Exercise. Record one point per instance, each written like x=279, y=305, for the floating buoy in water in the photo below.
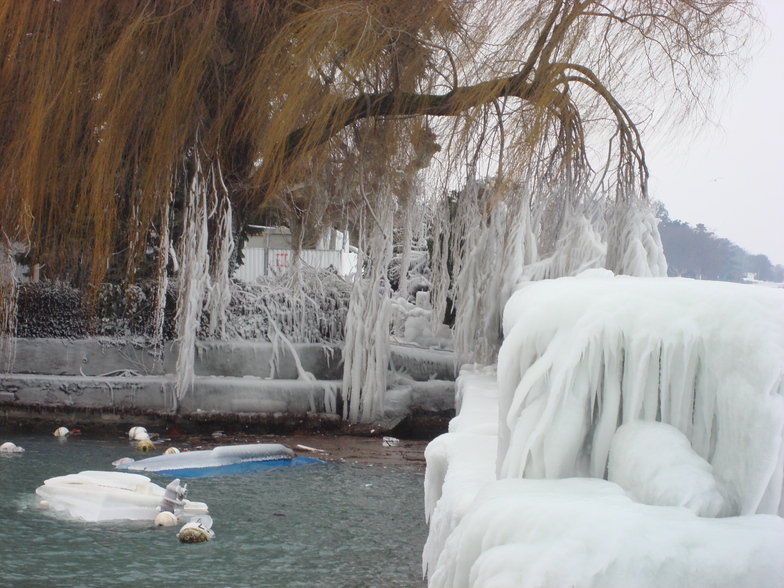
x=197, y=531
x=61, y=432
x=138, y=434
x=165, y=519
x=145, y=445
x=9, y=447
x=171, y=450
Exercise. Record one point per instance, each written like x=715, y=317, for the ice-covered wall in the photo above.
x=460, y=462
x=584, y=355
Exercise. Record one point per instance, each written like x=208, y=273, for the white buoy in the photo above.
x=9, y=447
x=145, y=445
x=171, y=450
x=195, y=532
x=165, y=519
x=61, y=432
x=138, y=434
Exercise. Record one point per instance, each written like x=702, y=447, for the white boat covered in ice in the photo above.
x=224, y=460
x=104, y=496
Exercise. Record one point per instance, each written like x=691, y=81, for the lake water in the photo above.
x=333, y=525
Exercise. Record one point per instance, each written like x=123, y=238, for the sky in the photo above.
x=731, y=177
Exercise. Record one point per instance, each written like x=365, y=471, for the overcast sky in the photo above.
x=731, y=179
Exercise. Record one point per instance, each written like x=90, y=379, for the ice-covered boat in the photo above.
x=221, y=461
x=104, y=496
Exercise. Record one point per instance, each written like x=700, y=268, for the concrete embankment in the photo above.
x=237, y=385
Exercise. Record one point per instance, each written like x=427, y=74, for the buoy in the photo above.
x=61, y=432
x=9, y=447
x=195, y=532
x=171, y=450
x=43, y=505
x=138, y=434
x=145, y=445
x=165, y=519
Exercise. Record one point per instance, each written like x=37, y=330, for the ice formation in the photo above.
x=490, y=241
x=193, y=275
x=673, y=388
x=586, y=533
x=366, y=351
x=655, y=464
x=584, y=355
x=460, y=462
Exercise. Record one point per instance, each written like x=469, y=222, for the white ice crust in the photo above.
x=626, y=416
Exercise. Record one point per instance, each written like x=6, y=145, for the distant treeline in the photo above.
x=695, y=252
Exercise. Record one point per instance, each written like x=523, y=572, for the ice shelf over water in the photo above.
x=671, y=389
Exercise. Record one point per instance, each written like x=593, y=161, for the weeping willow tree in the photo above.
x=132, y=126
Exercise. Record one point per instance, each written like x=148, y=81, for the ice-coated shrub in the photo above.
x=50, y=309
x=306, y=306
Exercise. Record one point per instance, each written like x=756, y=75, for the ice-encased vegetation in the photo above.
x=674, y=389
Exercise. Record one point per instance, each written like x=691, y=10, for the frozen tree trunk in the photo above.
x=9, y=289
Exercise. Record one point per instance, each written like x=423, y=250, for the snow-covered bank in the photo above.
x=582, y=357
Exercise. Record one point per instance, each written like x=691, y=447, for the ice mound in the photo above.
x=587, y=533
x=584, y=355
x=655, y=464
x=672, y=388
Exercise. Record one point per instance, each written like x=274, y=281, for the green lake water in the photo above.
x=328, y=525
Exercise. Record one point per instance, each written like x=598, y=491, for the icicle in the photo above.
x=219, y=290
x=635, y=247
x=366, y=350
x=161, y=278
x=193, y=276
x=578, y=248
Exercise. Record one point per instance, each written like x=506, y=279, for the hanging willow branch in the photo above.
x=104, y=99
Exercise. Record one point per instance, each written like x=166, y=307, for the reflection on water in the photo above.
x=340, y=525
